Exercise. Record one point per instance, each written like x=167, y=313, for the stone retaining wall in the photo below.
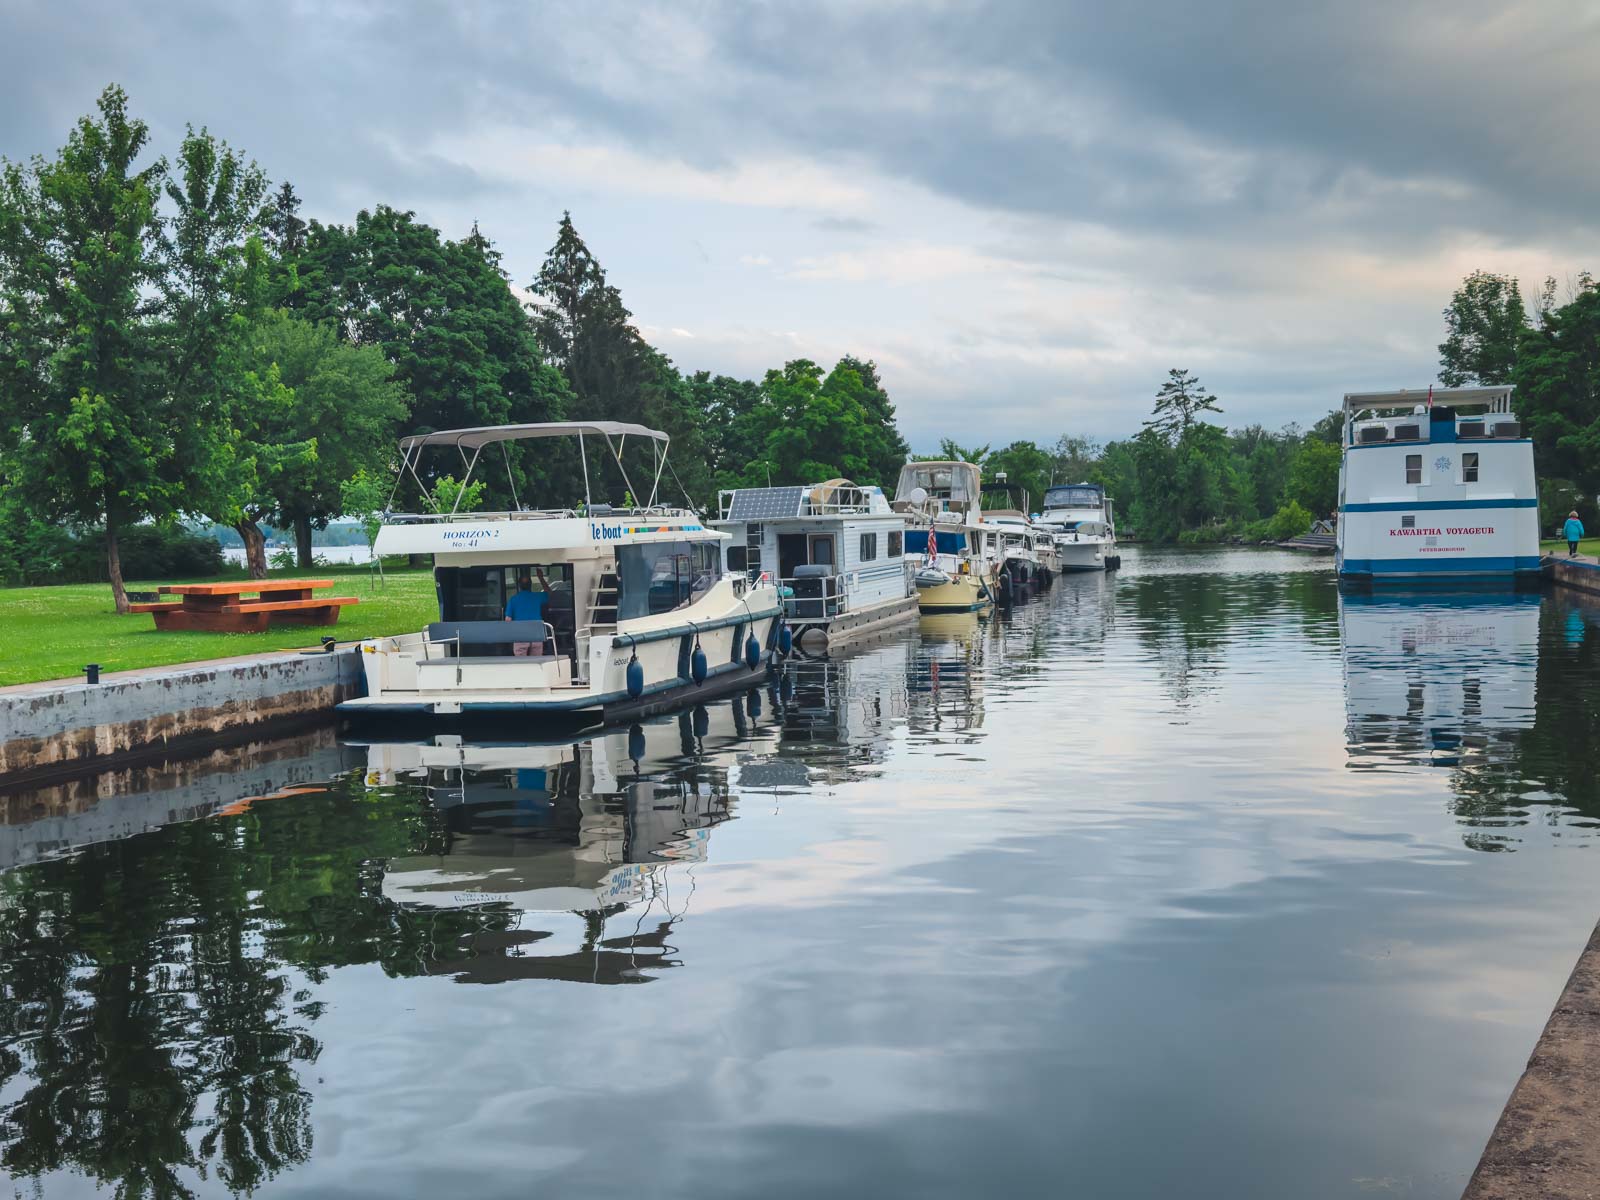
x=65, y=726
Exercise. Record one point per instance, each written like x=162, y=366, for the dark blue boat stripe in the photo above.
x=1484, y=565
x=1439, y=505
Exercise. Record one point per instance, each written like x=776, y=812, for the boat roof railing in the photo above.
x=614, y=433
x=1495, y=399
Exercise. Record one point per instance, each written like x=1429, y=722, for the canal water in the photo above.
x=1191, y=880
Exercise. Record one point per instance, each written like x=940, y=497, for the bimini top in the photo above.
x=482, y=435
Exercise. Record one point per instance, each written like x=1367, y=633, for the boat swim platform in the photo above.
x=863, y=622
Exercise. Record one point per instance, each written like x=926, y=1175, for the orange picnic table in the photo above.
x=246, y=606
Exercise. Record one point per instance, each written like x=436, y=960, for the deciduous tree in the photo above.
x=1484, y=323
x=84, y=393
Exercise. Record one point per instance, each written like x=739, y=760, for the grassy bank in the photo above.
x=1557, y=546
x=51, y=632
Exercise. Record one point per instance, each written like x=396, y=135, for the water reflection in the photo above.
x=1441, y=679
x=906, y=913
x=546, y=844
x=1488, y=687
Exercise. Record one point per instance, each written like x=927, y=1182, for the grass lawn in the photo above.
x=1559, y=546
x=51, y=632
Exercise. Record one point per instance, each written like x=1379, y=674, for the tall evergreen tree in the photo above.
x=83, y=387
x=1179, y=404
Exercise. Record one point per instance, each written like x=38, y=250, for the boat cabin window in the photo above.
x=1072, y=497
x=895, y=539
x=1413, y=468
x=658, y=577
x=869, y=547
x=821, y=550
x=1469, y=468
x=482, y=593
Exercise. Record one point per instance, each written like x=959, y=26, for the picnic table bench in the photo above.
x=229, y=607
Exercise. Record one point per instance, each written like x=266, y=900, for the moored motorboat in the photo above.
x=628, y=610
x=1079, y=516
x=942, y=506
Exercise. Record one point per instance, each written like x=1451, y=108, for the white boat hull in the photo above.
x=1082, y=556
x=402, y=678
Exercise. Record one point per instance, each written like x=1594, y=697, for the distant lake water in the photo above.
x=1192, y=880
x=334, y=554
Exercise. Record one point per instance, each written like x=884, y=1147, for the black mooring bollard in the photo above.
x=92, y=673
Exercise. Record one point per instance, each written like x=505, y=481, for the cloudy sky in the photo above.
x=1024, y=211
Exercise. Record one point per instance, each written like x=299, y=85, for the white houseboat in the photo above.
x=943, y=506
x=1436, y=485
x=630, y=608
x=835, y=549
x=1080, y=517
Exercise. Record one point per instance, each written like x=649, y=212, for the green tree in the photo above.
x=364, y=497
x=459, y=342
x=951, y=451
x=890, y=455
x=214, y=287
x=1314, y=477
x=583, y=328
x=344, y=402
x=1026, y=466
x=1557, y=378
x=1484, y=323
x=1179, y=404
x=285, y=234
x=83, y=386
x=1074, y=459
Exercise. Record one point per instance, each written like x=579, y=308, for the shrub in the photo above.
x=1289, y=521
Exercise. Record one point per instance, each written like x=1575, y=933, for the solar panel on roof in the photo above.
x=765, y=504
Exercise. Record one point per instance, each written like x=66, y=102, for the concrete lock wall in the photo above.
x=1574, y=573
x=54, y=728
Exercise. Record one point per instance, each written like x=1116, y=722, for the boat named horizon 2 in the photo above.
x=620, y=611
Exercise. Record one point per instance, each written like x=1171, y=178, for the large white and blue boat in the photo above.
x=1436, y=486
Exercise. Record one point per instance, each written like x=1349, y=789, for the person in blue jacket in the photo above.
x=1572, y=531
x=526, y=605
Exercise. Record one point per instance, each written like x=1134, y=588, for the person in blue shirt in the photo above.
x=1572, y=531
x=526, y=605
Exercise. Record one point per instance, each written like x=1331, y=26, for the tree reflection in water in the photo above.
x=158, y=994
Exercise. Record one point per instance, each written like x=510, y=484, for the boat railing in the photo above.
x=814, y=597
x=529, y=514
x=860, y=507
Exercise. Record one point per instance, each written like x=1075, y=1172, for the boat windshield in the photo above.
x=954, y=481
x=658, y=577
x=1072, y=497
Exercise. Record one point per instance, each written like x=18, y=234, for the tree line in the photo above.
x=1182, y=478
x=1551, y=355
x=178, y=344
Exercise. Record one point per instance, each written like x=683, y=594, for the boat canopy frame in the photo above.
x=615, y=434
x=1496, y=399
